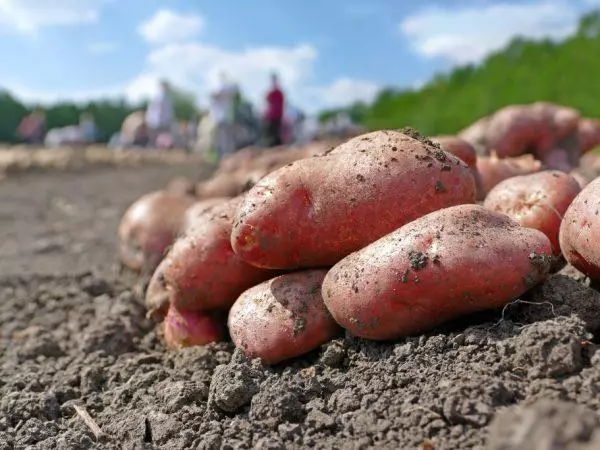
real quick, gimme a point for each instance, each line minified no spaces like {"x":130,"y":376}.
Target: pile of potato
{"x":381,"y":236}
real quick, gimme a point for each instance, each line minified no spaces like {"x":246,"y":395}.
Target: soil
{"x":74,"y":337}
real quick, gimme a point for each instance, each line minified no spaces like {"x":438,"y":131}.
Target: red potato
{"x":513,"y":130}
{"x":475,"y":134}
{"x":282,"y":318}
{"x":581,"y":178}
{"x":149,"y":227}
{"x":157,"y":295}
{"x":493,"y":170}
{"x":443,"y":265}
{"x":562,"y":120}
{"x":458,"y":147}
{"x":188,"y":328}
{"x":201,"y":270}
{"x":588,"y":134}
{"x":580,"y":231}
{"x":181,"y":186}
{"x":318,"y":210}
{"x":556,"y":159}
{"x":537,"y":201}
{"x":197,"y":209}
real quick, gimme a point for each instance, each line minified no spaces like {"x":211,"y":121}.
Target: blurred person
{"x":160,"y":114}
{"x":88,"y":127}
{"x":222,"y":115}
{"x":134,"y":131}
{"x":32,"y":129}
{"x":274,"y":113}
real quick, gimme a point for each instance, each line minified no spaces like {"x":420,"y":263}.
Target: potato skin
{"x":580,"y":231}
{"x":157,"y":295}
{"x":189,"y":328}
{"x":201,"y":271}
{"x":282,"y":318}
{"x":537,"y":201}
{"x":458,"y":147}
{"x":149,"y":227}
{"x":448,"y":263}
{"x":197,"y":209}
{"x":315,"y":211}
{"x":493,"y":170}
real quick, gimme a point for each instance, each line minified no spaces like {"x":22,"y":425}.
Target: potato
{"x":315,"y":211}
{"x":561,"y":120}
{"x":556,"y":159}
{"x":458,"y":147}
{"x":149,"y":227}
{"x":493,"y":170}
{"x":588,"y":133}
{"x":189,"y":328}
{"x":448,"y":263}
{"x":181,"y":186}
{"x":201,"y":271}
{"x":157,"y":295}
{"x":282,"y":318}
{"x":580,"y":231}
{"x":476,"y":135}
{"x":537,"y":201}
{"x":514,"y":129}
{"x":197,"y":209}
{"x":580,"y":177}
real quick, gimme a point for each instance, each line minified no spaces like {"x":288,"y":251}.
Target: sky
{"x":329,"y":53}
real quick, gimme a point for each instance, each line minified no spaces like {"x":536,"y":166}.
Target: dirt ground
{"x":73,"y":335}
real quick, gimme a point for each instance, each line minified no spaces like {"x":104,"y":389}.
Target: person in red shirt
{"x":274,"y":113}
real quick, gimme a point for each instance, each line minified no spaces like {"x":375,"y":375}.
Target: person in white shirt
{"x":160,"y":113}
{"x":222,"y":115}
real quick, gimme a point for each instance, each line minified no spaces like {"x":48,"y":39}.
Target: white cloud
{"x":102,"y":48}
{"x":28,"y":16}
{"x":345,"y":91}
{"x":34,"y":96}
{"x":167,"y":27}
{"x":469,"y":34}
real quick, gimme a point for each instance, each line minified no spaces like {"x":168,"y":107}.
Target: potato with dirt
{"x":192,"y":328}
{"x":449,"y":263}
{"x":537,"y":201}
{"x":458,"y":147}
{"x":580,"y":231}
{"x":282,"y":318}
{"x":149,"y":227}
{"x":315,"y":211}
{"x":157,"y":296}
{"x":198,"y":208}
{"x":201,"y":270}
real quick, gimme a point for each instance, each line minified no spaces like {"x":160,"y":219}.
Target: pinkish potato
{"x":317,"y":210}
{"x":149,"y":227}
{"x":556,"y":159}
{"x":187,"y":328}
{"x":157,"y":295}
{"x":537,"y":201}
{"x":458,"y":147}
{"x":197,"y":209}
{"x":580,"y":231}
{"x":449,"y":263}
{"x":201,"y":270}
{"x":580,"y":177}
{"x":282,"y":318}
{"x":588,"y":134}
{"x":493,"y":170}
{"x":181,"y":186}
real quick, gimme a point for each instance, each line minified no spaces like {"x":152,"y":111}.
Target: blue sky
{"x":329,"y":52}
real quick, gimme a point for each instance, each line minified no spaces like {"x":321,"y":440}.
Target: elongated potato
{"x":149,"y":227}
{"x":282,"y":318}
{"x":315,"y":211}
{"x":580,"y":231}
{"x":448,"y":263}
{"x":190,"y":328}
{"x":538,"y":201}
{"x":201,"y":270}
